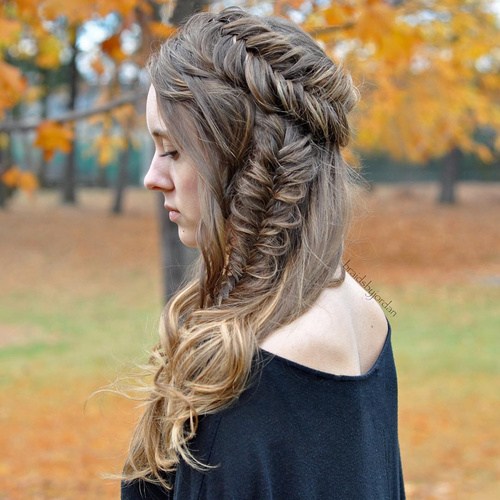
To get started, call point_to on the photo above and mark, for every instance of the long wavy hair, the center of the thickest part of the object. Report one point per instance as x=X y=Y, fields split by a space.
x=262 y=111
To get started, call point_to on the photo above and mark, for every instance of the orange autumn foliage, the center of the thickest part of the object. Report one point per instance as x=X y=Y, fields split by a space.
x=16 y=178
x=26 y=31
x=52 y=137
x=78 y=11
x=10 y=177
x=28 y=182
x=112 y=47
x=428 y=73
x=160 y=30
x=12 y=86
x=107 y=147
x=10 y=30
x=97 y=65
x=49 y=50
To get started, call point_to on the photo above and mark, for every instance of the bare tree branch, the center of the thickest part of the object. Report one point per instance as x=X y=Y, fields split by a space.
x=81 y=114
x=326 y=30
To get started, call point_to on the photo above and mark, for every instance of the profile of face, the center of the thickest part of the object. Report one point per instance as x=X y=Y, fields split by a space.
x=172 y=172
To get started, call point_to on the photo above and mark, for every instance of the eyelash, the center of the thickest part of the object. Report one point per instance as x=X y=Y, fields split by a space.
x=168 y=153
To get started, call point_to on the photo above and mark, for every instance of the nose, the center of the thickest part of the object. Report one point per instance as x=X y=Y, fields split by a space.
x=158 y=179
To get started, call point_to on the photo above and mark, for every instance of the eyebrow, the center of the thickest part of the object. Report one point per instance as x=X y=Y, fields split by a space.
x=157 y=132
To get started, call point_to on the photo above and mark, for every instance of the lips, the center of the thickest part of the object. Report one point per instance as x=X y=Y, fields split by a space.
x=173 y=214
x=170 y=208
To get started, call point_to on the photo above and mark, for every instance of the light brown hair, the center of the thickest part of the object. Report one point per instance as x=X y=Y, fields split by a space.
x=263 y=113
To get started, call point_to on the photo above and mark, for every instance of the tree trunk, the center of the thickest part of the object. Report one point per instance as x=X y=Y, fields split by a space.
x=175 y=256
x=44 y=101
x=5 y=163
x=3 y=187
x=101 y=179
x=449 y=176
x=69 y=174
x=122 y=178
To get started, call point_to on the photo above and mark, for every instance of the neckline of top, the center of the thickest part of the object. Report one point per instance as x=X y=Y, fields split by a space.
x=269 y=356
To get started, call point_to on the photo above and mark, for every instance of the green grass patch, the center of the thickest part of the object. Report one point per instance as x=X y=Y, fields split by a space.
x=446 y=329
x=438 y=332
x=56 y=336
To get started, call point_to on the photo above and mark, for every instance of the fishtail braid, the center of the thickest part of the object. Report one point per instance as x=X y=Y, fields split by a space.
x=267 y=64
x=269 y=202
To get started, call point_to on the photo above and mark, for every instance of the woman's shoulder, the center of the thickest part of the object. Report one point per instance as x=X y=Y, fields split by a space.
x=343 y=333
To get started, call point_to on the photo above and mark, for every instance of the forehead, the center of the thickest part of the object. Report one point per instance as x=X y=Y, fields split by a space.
x=153 y=118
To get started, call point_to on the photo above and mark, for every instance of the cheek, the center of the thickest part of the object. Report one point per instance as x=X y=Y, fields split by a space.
x=194 y=197
x=192 y=185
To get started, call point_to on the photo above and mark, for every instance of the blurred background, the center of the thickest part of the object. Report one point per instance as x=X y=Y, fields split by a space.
x=88 y=259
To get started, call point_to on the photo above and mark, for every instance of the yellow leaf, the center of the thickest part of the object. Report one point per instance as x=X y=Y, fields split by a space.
x=34 y=93
x=4 y=141
x=484 y=153
x=107 y=147
x=112 y=47
x=49 y=50
x=75 y=11
x=375 y=22
x=97 y=65
x=27 y=182
x=146 y=7
x=52 y=136
x=160 y=30
x=16 y=178
x=9 y=31
x=124 y=114
x=28 y=8
x=339 y=14
x=11 y=177
x=124 y=7
x=12 y=86
x=105 y=151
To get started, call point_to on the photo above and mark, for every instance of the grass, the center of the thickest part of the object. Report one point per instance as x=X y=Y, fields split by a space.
x=83 y=336
x=437 y=331
x=449 y=329
x=446 y=344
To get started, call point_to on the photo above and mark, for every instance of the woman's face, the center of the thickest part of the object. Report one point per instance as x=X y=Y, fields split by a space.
x=172 y=172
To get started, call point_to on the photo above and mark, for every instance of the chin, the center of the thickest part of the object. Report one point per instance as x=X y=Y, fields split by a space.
x=187 y=239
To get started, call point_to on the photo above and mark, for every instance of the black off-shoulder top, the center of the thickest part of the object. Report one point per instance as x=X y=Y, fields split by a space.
x=297 y=433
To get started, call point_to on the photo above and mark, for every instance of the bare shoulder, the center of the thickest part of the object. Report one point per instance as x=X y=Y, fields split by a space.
x=370 y=324
x=342 y=333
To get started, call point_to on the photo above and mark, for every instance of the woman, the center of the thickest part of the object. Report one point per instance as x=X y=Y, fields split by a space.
x=274 y=376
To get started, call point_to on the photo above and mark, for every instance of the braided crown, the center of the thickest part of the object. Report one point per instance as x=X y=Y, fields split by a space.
x=283 y=75
x=285 y=78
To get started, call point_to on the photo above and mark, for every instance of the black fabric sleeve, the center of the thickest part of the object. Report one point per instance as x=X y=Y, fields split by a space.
x=142 y=490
